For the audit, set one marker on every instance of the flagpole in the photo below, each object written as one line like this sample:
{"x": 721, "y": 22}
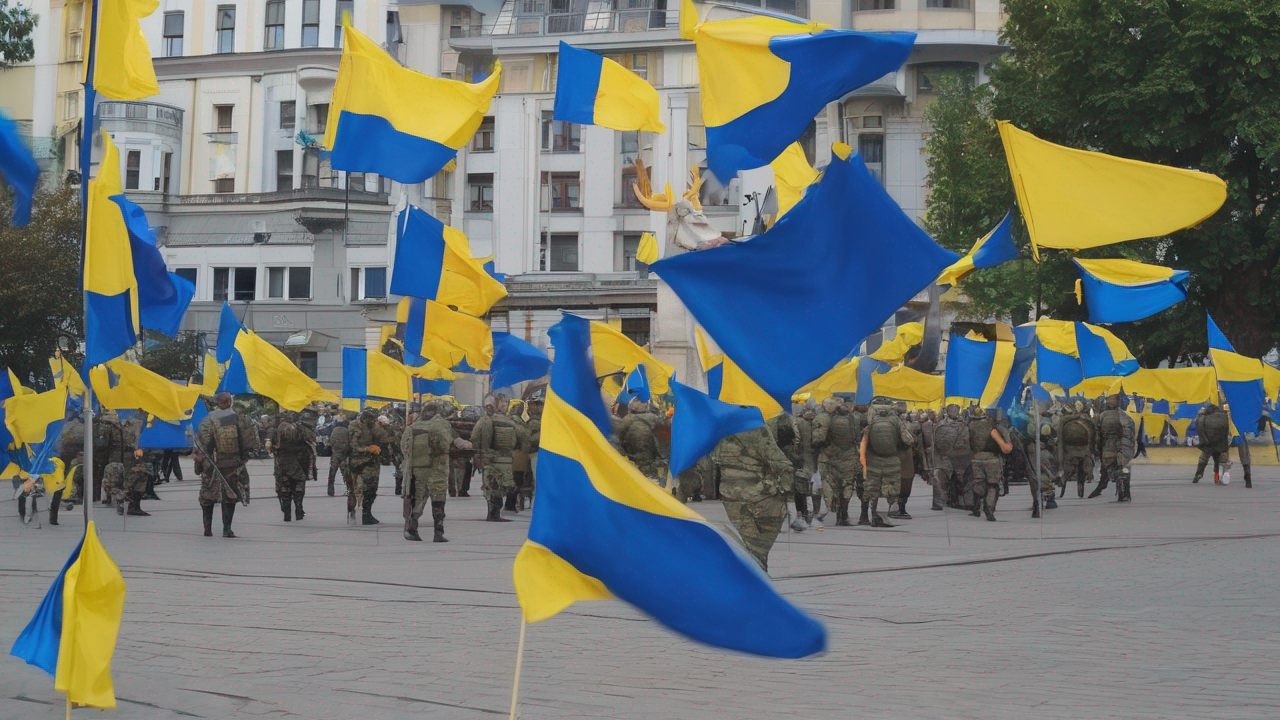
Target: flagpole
{"x": 86, "y": 150}
{"x": 1040, "y": 480}
{"x": 515, "y": 684}
{"x": 68, "y": 707}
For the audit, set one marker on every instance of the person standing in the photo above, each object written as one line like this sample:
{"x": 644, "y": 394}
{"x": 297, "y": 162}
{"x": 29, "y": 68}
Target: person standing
{"x": 425, "y": 446}
{"x": 71, "y": 452}
{"x": 533, "y": 441}
{"x": 1117, "y": 433}
{"x": 1213, "y": 425}
{"x": 947, "y": 435}
{"x": 755, "y": 479}
{"x": 226, "y": 440}
{"x": 369, "y": 440}
{"x": 495, "y": 438}
{"x": 835, "y": 436}
{"x": 1077, "y": 436}
{"x": 638, "y": 439}
{"x": 910, "y": 465}
{"x": 339, "y": 449}
{"x": 880, "y": 453}
{"x": 989, "y": 444}
{"x": 462, "y": 455}
{"x": 521, "y": 466}
{"x": 292, "y": 463}
{"x": 782, "y": 428}
{"x": 108, "y": 447}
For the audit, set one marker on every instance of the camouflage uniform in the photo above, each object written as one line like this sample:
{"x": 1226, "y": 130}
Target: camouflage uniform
{"x": 425, "y": 446}
{"x": 533, "y": 441}
{"x": 495, "y": 437}
{"x": 108, "y": 447}
{"x": 949, "y": 441}
{"x": 365, "y": 463}
{"x": 1077, "y": 436}
{"x": 394, "y": 427}
{"x": 293, "y": 443}
{"x": 521, "y": 464}
{"x": 783, "y": 429}
{"x": 226, "y": 439}
{"x": 638, "y": 440}
{"x": 1118, "y": 446}
{"x": 886, "y": 437}
{"x": 755, "y": 479}
{"x": 691, "y": 483}
{"x": 988, "y": 462}
{"x": 71, "y": 452}
{"x": 339, "y": 448}
{"x": 1214, "y": 428}
{"x": 835, "y": 435}
{"x": 461, "y": 459}
{"x": 911, "y": 464}
{"x": 118, "y": 458}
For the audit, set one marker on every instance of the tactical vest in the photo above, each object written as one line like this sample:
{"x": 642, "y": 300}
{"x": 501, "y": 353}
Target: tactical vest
{"x": 340, "y": 438}
{"x": 226, "y": 436}
{"x": 883, "y": 437}
{"x": 504, "y": 436}
{"x": 108, "y": 443}
{"x": 1075, "y": 431}
{"x": 980, "y": 435}
{"x": 1110, "y": 425}
{"x": 944, "y": 437}
{"x": 840, "y": 432}
{"x": 289, "y": 439}
{"x": 1216, "y": 428}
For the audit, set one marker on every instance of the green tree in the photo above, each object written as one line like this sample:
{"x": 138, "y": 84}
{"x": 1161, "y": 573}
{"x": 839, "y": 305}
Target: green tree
{"x": 177, "y": 358}
{"x": 1183, "y": 83}
{"x": 16, "y": 24}
{"x": 40, "y": 298}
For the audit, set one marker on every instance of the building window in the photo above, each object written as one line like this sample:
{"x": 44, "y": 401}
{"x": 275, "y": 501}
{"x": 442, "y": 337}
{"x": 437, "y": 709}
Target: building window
{"x": 310, "y": 23}
{"x": 284, "y": 170}
{"x": 317, "y": 118}
{"x": 242, "y": 281}
{"x": 173, "y": 34}
{"x": 345, "y": 7}
{"x": 316, "y": 171}
{"x": 949, "y": 4}
{"x": 873, "y": 122}
{"x": 560, "y": 136}
{"x": 224, "y": 185}
{"x": 71, "y": 105}
{"x": 561, "y": 192}
{"x": 274, "y": 37}
{"x": 135, "y": 111}
{"x": 368, "y": 283}
{"x": 559, "y": 252}
{"x": 188, "y": 274}
{"x": 288, "y": 115}
{"x": 876, "y": 4}
{"x": 625, "y": 258}
{"x": 928, "y": 74}
{"x": 132, "y": 169}
{"x": 308, "y": 363}
{"x": 166, "y": 171}
{"x": 226, "y": 29}
{"x": 630, "y": 146}
{"x": 483, "y": 139}
{"x": 222, "y": 117}
{"x": 636, "y": 329}
{"x": 296, "y": 281}
{"x": 871, "y": 148}
{"x": 480, "y": 192}
{"x": 637, "y": 63}
{"x": 75, "y": 45}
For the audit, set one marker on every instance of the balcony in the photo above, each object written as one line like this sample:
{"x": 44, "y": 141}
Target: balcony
{"x": 508, "y": 25}
{"x": 309, "y": 194}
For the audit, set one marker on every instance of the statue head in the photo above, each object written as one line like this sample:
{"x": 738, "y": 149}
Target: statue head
{"x": 687, "y": 226}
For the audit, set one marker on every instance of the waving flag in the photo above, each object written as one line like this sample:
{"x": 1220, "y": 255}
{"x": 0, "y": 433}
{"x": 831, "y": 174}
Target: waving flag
{"x": 895, "y": 351}
{"x": 1125, "y": 290}
{"x": 616, "y": 354}
{"x": 389, "y": 120}
{"x": 978, "y": 370}
{"x": 122, "y": 385}
{"x": 161, "y": 435}
{"x": 372, "y": 375}
{"x": 786, "y": 306}
{"x": 1075, "y": 199}
{"x": 1240, "y": 378}
{"x": 600, "y": 530}
{"x": 700, "y": 421}
{"x": 17, "y": 168}
{"x": 515, "y": 360}
{"x": 636, "y": 387}
{"x": 995, "y": 248}
{"x": 121, "y": 64}
{"x": 431, "y": 331}
{"x": 763, "y": 79}
{"x": 434, "y": 262}
{"x": 792, "y": 175}
{"x": 73, "y": 633}
{"x": 258, "y": 367}
{"x": 594, "y": 90}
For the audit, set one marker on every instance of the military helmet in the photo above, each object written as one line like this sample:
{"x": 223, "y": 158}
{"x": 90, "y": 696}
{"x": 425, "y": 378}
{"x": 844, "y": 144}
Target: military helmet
{"x": 1078, "y": 406}
{"x": 1113, "y": 402}
{"x": 369, "y": 415}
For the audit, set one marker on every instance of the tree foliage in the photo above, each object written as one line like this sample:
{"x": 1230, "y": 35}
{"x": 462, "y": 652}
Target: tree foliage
{"x": 1183, "y": 83}
{"x": 177, "y": 358}
{"x": 40, "y": 298}
{"x": 16, "y": 24}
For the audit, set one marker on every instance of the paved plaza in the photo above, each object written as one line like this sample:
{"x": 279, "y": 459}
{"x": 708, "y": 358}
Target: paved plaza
{"x": 1163, "y": 608}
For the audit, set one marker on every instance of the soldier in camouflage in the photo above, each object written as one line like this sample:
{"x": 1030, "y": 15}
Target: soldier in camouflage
{"x": 226, "y": 440}
{"x": 293, "y": 447}
{"x": 369, "y": 440}
{"x": 990, "y": 444}
{"x": 521, "y": 466}
{"x": 461, "y": 458}
{"x": 1119, "y": 444}
{"x": 339, "y": 449}
{"x": 911, "y": 464}
{"x": 533, "y": 441}
{"x": 1213, "y": 425}
{"x": 71, "y": 451}
{"x": 495, "y": 437}
{"x": 835, "y": 435}
{"x": 638, "y": 440}
{"x": 108, "y": 443}
{"x": 425, "y": 445}
{"x": 755, "y": 479}
{"x": 118, "y": 476}
{"x": 782, "y": 428}
{"x": 880, "y": 452}
{"x": 1077, "y": 436}
{"x": 803, "y": 418}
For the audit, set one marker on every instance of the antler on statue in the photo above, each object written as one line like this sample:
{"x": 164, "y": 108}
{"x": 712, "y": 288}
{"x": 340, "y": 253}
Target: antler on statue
{"x": 644, "y": 191}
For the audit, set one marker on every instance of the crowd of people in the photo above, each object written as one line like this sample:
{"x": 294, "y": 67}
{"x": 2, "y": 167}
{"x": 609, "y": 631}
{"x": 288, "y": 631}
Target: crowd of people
{"x": 801, "y": 468}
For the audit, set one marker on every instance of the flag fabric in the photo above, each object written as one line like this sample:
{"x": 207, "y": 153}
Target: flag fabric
{"x": 594, "y": 90}
{"x": 1067, "y": 353}
{"x": 792, "y": 175}
{"x": 894, "y": 351}
{"x": 211, "y": 374}
{"x": 73, "y": 633}
{"x": 434, "y": 262}
{"x": 1178, "y": 385}
{"x": 904, "y": 383}
{"x": 736, "y": 388}
{"x": 636, "y": 387}
{"x": 1217, "y": 340}
{"x": 18, "y": 169}
{"x": 786, "y": 306}
{"x": 122, "y": 68}
{"x": 161, "y": 435}
{"x": 700, "y": 421}
{"x": 995, "y": 248}
{"x": 371, "y": 375}
{"x": 618, "y": 355}
{"x": 1125, "y": 290}
{"x": 122, "y": 385}
{"x": 1239, "y": 378}
{"x": 258, "y": 367}
{"x": 978, "y": 370}
{"x": 601, "y": 529}
{"x": 515, "y": 361}
{"x": 431, "y": 331}
{"x": 229, "y": 326}
{"x": 1075, "y": 199}
{"x": 163, "y": 297}
{"x": 647, "y": 251}
{"x": 763, "y": 79}
{"x": 389, "y": 120}
{"x": 28, "y": 416}
{"x": 64, "y": 373}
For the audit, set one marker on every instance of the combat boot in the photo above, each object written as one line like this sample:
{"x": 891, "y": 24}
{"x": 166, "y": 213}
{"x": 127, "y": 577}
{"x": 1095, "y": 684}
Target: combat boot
{"x": 286, "y": 509}
{"x": 57, "y": 504}
{"x": 207, "y": 512}
{"x": 412, "y": 534}
{"x": 228, "y": 514}
{"x": 902, "y": 511}
{"x": 331, "y": 492}
{"x": 1051, "y": 503}
{"x": 1080, "y": 488}
{"x": 135, "y": 505}
{"x": 863, "y": 519}
{"x": 976, "y": 510}
{"x": 842, "y": 514}
{"x": 876, "y": 520}
{"x": 893, "y": 511}
{"x": 297, "y": 508}
{"x": 1035, "y": 511}
{"x": 1248, "y": 480}
{"x": 367, "y": 517}
{"x": 495, "y": 511}
{"x": 120, "y": 507}
{"x": 1102, "y": 485}
{"x": 510, "y": 505}
{"x": 817, "y": 508}
{"x": 437, "y": 518}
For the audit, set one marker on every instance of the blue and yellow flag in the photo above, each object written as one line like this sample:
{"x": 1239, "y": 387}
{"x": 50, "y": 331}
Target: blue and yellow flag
{"x": 635, "y": 387}
{"x": 701, "y": 421}
{"x": 431, "y": 331}
{"x": 17, "y": 168}
{"x": 1068, "y": 353}
{"x": 259, "y": 367}
{"x": 594, "y": 90}
{"x": 73, "y": 633}
{"x": 1240, "y": 378}
{"x": 617, "y": 356}
{"x": 389, "y": 120}
{"x": 1075, "y": 199}
{"x": 763, "y": 79}
{"x": 995, "y": 248}
{"x": 122, "y": 385}
{"x": 371, "y": 375}
{"x": 515, "y": 360}
{"x": 792, "y": 175}
{"x": 788, "y": 305}
{"x": 121, "y": 61}
{"x": 980, "y": 371}
{"x": 434, "y": 261}
{"x": 1124, "y": 290}
{"x": 601, "y": 529}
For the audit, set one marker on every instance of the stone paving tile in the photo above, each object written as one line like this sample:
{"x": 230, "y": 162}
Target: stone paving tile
{"x": 1160, "y": 609}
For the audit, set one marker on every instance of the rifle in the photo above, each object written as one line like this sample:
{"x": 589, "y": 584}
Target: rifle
{"x": 226, "y": 486}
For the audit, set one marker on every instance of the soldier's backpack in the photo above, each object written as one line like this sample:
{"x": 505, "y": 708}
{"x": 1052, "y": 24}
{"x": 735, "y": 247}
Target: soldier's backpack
{"x": 1111, "y": 424}
{"x": 504, "y": 437}
{"x": 227, "y": 438}
{"x": 786, "y": 432}
{"x": 1216, "y": 428}
{"x": 980, "y": 439}
{"x": 882, "y": 437}
{"x": 1075, "y": 432}
{"x": 944, "y": 438}
{"x": 1128, "y": 438}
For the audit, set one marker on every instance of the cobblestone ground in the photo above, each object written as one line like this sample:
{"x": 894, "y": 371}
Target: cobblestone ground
{"x": 1163, "y": 608}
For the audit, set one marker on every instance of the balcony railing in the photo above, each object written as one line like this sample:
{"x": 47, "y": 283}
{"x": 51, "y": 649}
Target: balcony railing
{"x": 280, "y": 196}
{"x": 607, "y": 21}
